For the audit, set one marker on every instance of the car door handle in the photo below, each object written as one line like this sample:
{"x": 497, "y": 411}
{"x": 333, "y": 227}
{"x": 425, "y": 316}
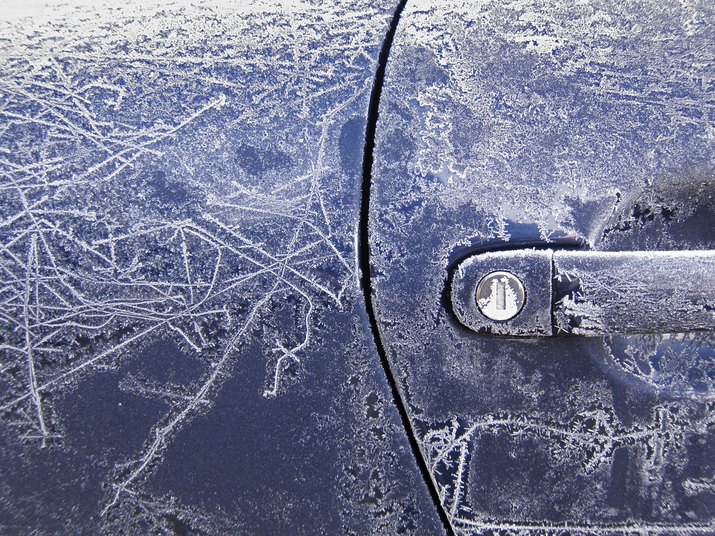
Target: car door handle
{"x": 546, "y": 292}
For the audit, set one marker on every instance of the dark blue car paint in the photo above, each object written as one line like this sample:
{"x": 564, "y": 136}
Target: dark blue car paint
{"x": 153, "y": 156}
{"x": 228, "y": 234}
{"x": 511, "y": 125}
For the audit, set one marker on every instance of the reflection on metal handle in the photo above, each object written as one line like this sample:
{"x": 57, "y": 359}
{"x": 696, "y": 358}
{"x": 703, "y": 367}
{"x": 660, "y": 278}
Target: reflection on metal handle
{"x": 587, "y": 292}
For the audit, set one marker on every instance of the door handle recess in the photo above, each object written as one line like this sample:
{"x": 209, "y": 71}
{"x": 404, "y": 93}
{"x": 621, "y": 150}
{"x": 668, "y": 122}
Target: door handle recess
{"x": 548, "y": 292}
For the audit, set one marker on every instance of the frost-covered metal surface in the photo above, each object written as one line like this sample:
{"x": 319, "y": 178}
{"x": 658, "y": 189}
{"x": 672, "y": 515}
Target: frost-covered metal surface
{"x": 511, "y": 124}
{"x": 183, "y": 347}
{"x": 594, "y": 293}
{"x": 533, "y": 268}
{"x": 634, "y": 292}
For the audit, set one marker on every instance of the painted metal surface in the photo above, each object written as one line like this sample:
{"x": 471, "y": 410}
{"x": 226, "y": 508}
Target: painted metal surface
{"x": 505, "y": 125}
{"x": 184, "y": 347}
{"x": 585, "y": 293}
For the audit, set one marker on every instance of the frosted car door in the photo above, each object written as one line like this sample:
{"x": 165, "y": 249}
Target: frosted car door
{"x": 533, "y": 130}
{"x": 184, "y": 347}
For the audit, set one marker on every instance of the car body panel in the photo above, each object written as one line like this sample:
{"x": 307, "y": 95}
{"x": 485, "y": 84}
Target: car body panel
{"x": 185, "y": 347}
{"x": 512, "y": 125}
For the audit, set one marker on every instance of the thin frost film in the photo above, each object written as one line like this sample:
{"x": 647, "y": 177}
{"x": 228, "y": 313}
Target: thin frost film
{"x": 506, "y": 125}
{"x": 175, "y": 173}
{"x": 593, "y": 437}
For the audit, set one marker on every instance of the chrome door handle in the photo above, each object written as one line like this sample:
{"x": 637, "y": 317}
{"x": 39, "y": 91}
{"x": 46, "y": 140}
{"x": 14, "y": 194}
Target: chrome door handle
{"x": 558, "y": 292}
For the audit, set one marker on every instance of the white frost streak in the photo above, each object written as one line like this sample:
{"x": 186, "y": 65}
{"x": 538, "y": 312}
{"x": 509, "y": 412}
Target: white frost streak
{"x": 594, "y": 436}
